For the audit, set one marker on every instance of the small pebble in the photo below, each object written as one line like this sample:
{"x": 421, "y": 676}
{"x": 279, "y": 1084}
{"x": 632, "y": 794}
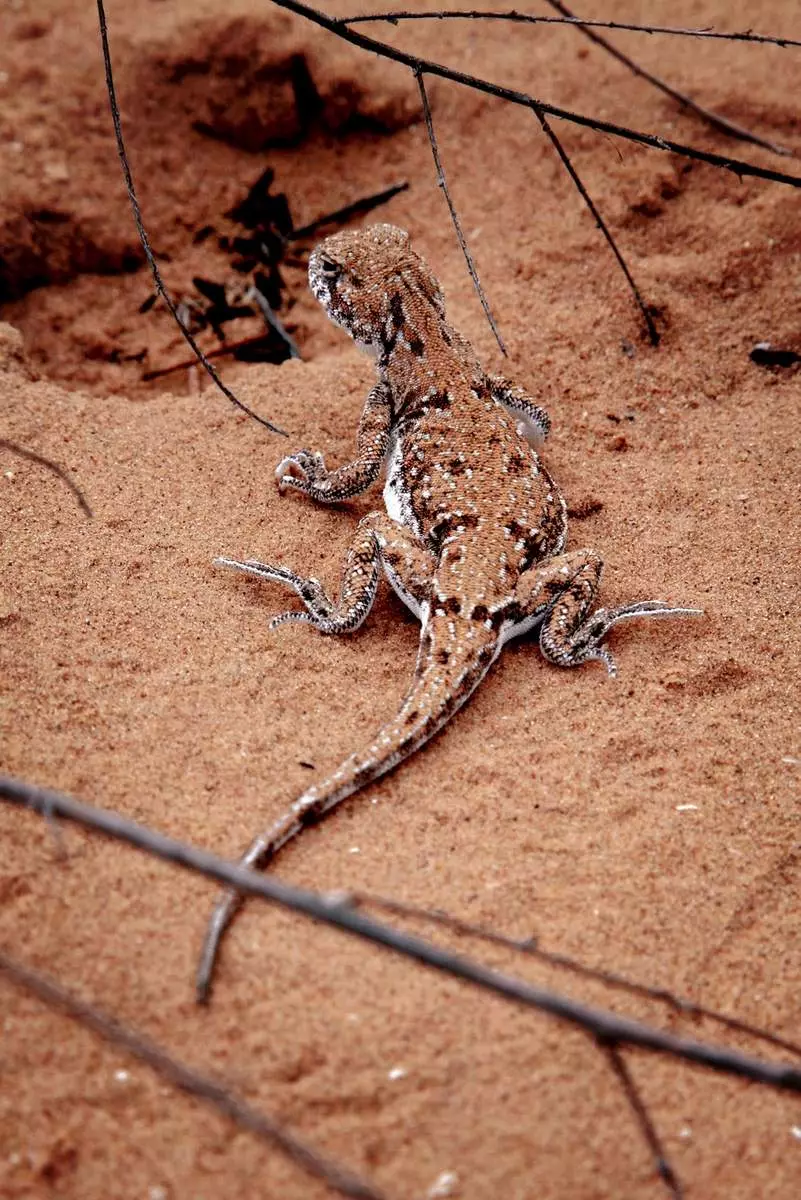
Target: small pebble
{"x": 397, "y": 1073}
{"x": 122, "y": 1076}
{"x": 444, "y": 1185}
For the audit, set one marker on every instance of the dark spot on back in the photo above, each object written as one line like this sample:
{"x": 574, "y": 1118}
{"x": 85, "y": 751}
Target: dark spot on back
{"x": 416, "y": 346}
{"x": 479, "y": 613}
{"x": 439, "y": 399}
{"x": 452, "y": 606}
{"x": 443, "y": 657}
{"x": 396, "y": 310}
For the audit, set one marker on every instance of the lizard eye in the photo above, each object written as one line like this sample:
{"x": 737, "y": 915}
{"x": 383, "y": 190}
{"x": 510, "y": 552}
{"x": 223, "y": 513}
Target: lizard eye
{"x": 329, "y": 268}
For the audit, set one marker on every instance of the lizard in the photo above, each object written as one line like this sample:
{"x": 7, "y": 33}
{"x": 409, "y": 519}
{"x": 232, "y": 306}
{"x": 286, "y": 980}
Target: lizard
{"x": 473, "y": 536}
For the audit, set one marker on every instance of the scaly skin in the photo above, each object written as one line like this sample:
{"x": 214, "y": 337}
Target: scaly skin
{"x": 474, "y": 531}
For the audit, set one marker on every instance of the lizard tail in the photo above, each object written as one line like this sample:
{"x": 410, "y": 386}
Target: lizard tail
{"x": 454, "y": 657}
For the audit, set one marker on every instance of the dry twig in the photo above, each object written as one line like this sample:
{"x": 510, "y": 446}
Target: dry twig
{"x": 137, "y": 214}
{"x": 457, "y": 225}
{"x": 393, "y": 18}
{"x": 341, "y": 27}
{"x": 337, "y": 910}
{"x": 529, "y": 946}
{"x": 188, "y": 1079}
{"x": 723, "y": 124}
{"x": 32, "y": 456}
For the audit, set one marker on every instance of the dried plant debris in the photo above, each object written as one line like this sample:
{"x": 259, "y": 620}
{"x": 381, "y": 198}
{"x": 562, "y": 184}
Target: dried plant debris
{"x": 257, "y": 246}
{"x": 765, "y": 354}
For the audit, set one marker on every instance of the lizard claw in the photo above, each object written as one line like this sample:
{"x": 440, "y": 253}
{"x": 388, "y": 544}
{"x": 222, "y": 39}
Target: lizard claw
{"x": 588, "y": 639}
{"x": 300, "y": 470}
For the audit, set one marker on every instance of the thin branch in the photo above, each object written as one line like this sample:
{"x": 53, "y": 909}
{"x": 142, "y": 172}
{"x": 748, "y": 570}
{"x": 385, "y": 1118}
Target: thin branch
{"x": 218, "y": 352}
{"x": 661, "y": 1161}
{"x": 599, "y": 221}
{"x": 529, "y": 946}
{"x": 442, "y": 183}
{"x": 32, "y": 456}
{"x": 188, "y": 1079}
{"x": 137, "y": 214}
{"x": 272, "y": 320}
{"x": 355, "y": 209}
{"x": 738, "y": 166}
{"x": 730, "y": 128}
{"x": 463, "y": 14}
{"x": 335, "y": 909}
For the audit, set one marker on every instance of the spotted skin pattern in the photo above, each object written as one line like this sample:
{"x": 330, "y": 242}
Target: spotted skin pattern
{"x": 473, "y": 537}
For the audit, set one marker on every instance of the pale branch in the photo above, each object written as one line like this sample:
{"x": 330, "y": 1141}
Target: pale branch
{"x": 662, "y": 1163}
{"x": 336, "y": 26}
{"x": 40, "y": 459}
{"x": 336, "y": 910}
{"x": 451, "y": 14}
{"x": 188, "y": 1079}
{"x": 722, "y": 124}
{"x": 137, "y": 215}
{"x": 457, "y": 225}
{"x": 529, "y": 946}
{"x": 599, "y": 221}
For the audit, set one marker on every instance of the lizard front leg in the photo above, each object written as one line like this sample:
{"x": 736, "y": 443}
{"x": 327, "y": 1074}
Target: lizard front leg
{"x": 378, "y": 542}
{"x": 306, "y": 471}
{"x": 563, "y": 589}
{"x": 533, "y": 420}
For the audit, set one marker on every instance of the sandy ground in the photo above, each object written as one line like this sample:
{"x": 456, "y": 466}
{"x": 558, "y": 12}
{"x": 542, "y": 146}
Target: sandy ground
{"x": 648, "y": 824}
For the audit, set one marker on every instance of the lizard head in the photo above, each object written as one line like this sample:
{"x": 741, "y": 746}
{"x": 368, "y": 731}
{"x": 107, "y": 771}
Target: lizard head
{"x": 372, "y": 284}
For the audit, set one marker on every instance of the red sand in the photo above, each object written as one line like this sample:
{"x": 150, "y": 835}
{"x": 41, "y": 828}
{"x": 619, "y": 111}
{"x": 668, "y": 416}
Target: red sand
{"x": 649, "y": 825}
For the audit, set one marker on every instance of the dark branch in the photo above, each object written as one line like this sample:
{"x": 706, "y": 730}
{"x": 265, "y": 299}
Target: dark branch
{"x": 599, "y": 221}
{"x": 457, "y": 225}
{"x": 219, "y": 352}
{"x": 730, "y": 128}
{"x": 661, "y": 1162}
{"x": 137, "y": 214}
{"x": 366, "y": 204}
{"x": 187, "y": 1079}
{"x": 32, "y": 456}
{"x": 463, "y": 14}
{"x": 335, "y": 910}
{"x": 679, "y": 1004}
{"x": 738, "y": 166}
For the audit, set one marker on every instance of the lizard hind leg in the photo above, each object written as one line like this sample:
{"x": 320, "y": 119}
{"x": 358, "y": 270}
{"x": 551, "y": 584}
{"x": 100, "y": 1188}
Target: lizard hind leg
{"x": 563, "y": 589}
{"x": 360, "y": 575}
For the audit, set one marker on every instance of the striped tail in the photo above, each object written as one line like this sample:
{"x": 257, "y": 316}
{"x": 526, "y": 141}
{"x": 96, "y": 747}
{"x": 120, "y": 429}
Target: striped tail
{"x": 454, "y": 657}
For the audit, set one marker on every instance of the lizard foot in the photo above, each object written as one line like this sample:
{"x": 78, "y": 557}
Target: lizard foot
{"x": 586, "y": 644}
{"x": 320, "y": 610}
{"x": 303, "y": 471}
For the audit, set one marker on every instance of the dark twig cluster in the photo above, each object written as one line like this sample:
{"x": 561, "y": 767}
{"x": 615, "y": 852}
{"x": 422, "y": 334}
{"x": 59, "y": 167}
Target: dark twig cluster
{"x": 610, "y": 1031}
{"x": 137, "y": 214}
{"x": 343, "y": 28}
